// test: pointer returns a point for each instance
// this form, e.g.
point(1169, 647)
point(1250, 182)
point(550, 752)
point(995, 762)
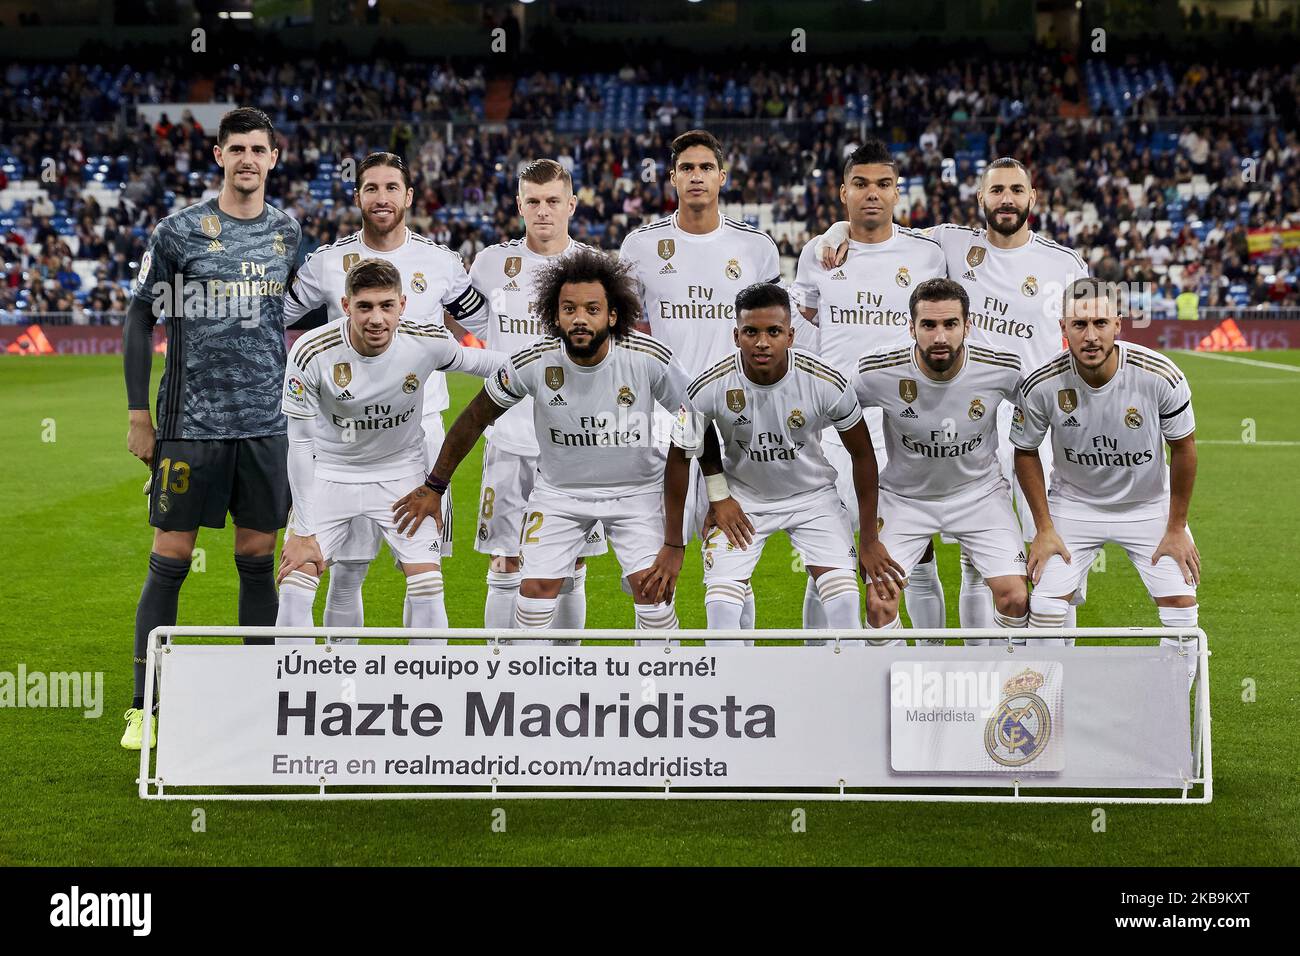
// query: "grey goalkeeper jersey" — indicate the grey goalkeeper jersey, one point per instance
point(220, 281)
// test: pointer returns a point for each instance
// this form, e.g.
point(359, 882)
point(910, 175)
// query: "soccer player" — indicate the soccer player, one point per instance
point(939, 396)
point(505, 274)
point(218, 270)
point(688, 268)
point(1014, 278)
point(1110, 407)
point(771, 403)
point(859, 307)
point(353, 395)
point(435, 281)
point(595, 382)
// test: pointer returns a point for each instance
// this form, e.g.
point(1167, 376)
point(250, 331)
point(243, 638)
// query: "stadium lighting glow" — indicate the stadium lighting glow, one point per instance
point(235, 15)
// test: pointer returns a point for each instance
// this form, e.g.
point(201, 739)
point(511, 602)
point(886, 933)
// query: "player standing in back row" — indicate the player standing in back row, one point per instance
point(1014, 278)
point(218, 270)
point(1110, 408)
point(435, 281)
point(505, 273)
point(860, 307)
point(689, 268)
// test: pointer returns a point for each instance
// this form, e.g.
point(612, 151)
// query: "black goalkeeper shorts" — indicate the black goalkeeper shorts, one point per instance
point(197, 483)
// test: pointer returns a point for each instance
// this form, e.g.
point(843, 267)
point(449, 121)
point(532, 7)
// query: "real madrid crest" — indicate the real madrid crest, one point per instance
point(482, 531)
point(907, 390)
point(277, 244)
point(625, 396)
point(736, 399)
point(1030, 286)
point(795, 419)
point(1067, 400)
point(554, 377)
point(351, 259)
point(411, 384)
point(1020, 728)
point(417, 282)
point(733, 269)
point(975, 255)
point(514, 264)
point(342, 374)
point(903, 278)
point(1133, 418)
point(976, 410)
point(211, 226)
point(708, 560)
point(666, 248)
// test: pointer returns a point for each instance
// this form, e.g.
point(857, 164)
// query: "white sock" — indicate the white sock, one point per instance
point(343, 605)
point(425, 606)
point(814, 615)
point(724, 607)
point(660, 616)
point(1003, 620)
point(499, 609)
point(747, 614)
point(1182, 617)
point(838, 590)
point(1047, 612)
point(975, 602)
point(571, 611)
point(1071, 620)
point(534, 614)
point(924, 597)
point(894, 625)
point(297, 596)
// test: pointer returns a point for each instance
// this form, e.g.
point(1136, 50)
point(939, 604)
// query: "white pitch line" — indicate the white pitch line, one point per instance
point(1238, 359)
point(1238, 441)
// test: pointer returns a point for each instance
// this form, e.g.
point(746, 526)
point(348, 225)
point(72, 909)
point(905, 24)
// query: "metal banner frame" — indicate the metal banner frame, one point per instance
point(152, 787)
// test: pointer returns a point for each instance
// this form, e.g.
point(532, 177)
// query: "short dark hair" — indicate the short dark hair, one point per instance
point(372, 274)
point(1006, 162)
point(587, 265)
point(871, 153)
point(696, 137)
point(1089, 287)
point(540, 171)
point(939, 290)
point(383, 159)
point(762, 295)
point(245, 119)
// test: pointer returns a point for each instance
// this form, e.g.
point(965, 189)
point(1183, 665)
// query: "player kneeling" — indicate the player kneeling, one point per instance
point(1111, 407)
point(595, 383)
point(353, 397)
point(770, 403)
point(940, 398)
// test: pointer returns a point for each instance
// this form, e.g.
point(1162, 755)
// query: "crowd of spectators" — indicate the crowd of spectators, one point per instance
point(1208, 157)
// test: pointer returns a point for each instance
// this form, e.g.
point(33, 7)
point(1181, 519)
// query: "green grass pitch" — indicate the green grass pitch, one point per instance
point(73, 557)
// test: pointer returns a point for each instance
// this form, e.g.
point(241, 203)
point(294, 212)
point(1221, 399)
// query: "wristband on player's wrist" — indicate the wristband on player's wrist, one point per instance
point(669, 544)
point(717, 487)
point(437, 484)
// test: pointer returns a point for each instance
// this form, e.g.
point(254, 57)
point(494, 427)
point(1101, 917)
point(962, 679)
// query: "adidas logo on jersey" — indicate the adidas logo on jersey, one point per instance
point(908, 413)
point(1070, 422)
point(511, 286)
point(838, 274)
point(345, 396)
point(969, 274)
point(668, 270)
point(742, 420)
point(1020, 556)
point(557, 401)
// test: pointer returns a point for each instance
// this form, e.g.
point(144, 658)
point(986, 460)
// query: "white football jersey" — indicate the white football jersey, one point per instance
point(862, 306)
point(1015, 294)
point(771, 434)
point(504, 273)
point(1108, 443)
point(688, 283)
point(433, 279)
point(367, 408)
point(594, 424)
point(941, 436)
